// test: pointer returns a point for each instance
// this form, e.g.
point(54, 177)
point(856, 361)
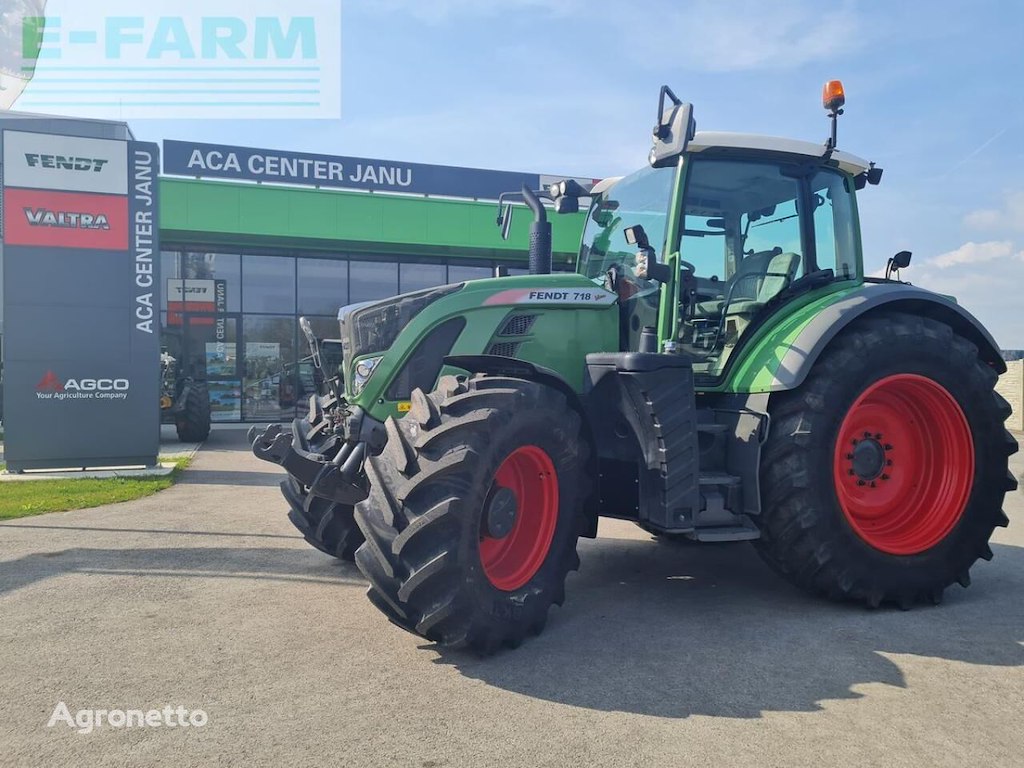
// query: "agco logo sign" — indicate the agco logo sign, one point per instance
point(52, 387)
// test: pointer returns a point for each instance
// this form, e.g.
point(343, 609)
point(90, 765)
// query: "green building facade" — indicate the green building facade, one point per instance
point(241, 262)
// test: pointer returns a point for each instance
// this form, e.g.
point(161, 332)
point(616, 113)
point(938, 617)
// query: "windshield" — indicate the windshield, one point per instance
point(640, 198)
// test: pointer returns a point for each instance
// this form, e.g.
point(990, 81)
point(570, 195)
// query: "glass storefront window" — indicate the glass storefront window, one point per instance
point(255, 358)
point(371, 280)
point(271, 382)
point(323, 286)
point(416, 277)
point(224, 267)
point(268, 284)
point(458, 273)
point(169, 263)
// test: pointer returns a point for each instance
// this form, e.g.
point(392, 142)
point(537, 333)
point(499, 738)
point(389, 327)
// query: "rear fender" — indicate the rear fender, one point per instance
point(788, 357)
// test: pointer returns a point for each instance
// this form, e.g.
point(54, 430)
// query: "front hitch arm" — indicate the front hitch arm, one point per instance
point(340, 479)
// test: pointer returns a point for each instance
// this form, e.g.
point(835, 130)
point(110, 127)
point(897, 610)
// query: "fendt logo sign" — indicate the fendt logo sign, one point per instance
point(65, 163)
point(60, 162)
point(66, 219)
point(52, 387)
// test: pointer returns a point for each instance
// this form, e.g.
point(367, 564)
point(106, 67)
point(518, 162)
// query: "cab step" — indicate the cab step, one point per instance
point(727, 533)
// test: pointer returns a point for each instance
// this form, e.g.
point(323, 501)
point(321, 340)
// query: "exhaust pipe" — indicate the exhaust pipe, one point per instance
point(540, 235)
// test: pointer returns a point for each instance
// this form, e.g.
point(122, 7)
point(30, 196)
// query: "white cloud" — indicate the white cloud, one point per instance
point(715, 36)
point(985, 278)
point(985, 218)
point(1009, 217)
point(976, 253)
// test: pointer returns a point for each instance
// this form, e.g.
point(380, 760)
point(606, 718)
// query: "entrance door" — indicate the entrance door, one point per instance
point(212, 352)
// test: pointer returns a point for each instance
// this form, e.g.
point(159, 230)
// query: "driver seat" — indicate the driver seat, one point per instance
point(778, 274)
point(744, 280)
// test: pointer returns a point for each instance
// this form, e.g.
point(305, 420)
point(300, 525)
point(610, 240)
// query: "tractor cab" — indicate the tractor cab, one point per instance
point(735, 227)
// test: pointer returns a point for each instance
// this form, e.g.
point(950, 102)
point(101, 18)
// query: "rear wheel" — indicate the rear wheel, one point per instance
point(193, 421)
point(884, 474)
point(474, 512)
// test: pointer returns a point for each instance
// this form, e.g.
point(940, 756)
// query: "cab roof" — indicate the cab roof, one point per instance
point(703, 141)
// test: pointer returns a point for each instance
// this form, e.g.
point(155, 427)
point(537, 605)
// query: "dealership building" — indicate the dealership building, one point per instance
point(252, 239)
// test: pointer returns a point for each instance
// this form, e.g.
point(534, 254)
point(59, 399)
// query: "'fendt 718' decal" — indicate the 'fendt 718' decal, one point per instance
point(40, 217)
point(574, 296)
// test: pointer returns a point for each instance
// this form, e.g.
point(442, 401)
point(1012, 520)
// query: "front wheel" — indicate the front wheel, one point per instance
point(327, 525)
point(884, 474)
point(474, 512)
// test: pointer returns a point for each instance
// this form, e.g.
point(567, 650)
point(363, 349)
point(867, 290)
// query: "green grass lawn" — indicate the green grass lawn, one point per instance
point(37, 497)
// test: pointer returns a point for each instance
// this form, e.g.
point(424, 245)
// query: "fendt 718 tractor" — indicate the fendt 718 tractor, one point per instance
point(719, 368)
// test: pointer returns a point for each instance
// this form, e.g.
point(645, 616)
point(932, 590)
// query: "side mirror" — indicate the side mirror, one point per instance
point(636, 235)
point(647, 266)
point(505, 221)
point(900, 261)
point(314, 344)
point(673, 131)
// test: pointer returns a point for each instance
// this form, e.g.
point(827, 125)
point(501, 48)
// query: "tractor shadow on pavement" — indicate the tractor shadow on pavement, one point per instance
point(674, 630)
point(249, 563)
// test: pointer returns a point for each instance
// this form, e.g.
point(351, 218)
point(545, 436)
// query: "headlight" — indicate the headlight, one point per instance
point(363, 371)
point(374, 327)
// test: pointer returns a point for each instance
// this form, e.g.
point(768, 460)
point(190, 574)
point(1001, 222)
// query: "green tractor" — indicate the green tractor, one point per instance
point(719, 368)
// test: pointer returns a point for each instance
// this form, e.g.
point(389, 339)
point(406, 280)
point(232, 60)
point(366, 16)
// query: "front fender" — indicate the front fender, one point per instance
point(782, 359)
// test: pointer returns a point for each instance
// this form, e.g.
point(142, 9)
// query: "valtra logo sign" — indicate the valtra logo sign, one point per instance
point(65, 219)
point(43, 218)
point(52, 387)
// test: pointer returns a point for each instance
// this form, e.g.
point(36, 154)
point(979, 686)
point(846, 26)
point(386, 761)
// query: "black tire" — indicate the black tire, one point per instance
point(327, 525)
point(193, 421)
point(423, 520)
point(807, 537)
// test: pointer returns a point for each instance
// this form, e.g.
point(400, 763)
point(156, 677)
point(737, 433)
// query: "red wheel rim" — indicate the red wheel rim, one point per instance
point(511, 561)
point(904, 464)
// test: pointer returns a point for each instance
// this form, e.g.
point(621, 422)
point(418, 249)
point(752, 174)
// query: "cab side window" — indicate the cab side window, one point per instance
point(834, 236)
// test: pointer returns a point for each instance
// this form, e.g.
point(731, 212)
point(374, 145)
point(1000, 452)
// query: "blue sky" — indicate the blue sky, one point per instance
point(569, 86)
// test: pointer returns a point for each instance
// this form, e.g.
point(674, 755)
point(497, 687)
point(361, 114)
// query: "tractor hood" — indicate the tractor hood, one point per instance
point(394, 346)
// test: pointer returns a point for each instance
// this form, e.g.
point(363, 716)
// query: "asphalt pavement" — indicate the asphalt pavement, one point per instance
point(204, 597)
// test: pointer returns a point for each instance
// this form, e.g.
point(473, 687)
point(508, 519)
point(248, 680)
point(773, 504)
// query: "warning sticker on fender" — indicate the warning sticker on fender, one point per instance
point(573, 296)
